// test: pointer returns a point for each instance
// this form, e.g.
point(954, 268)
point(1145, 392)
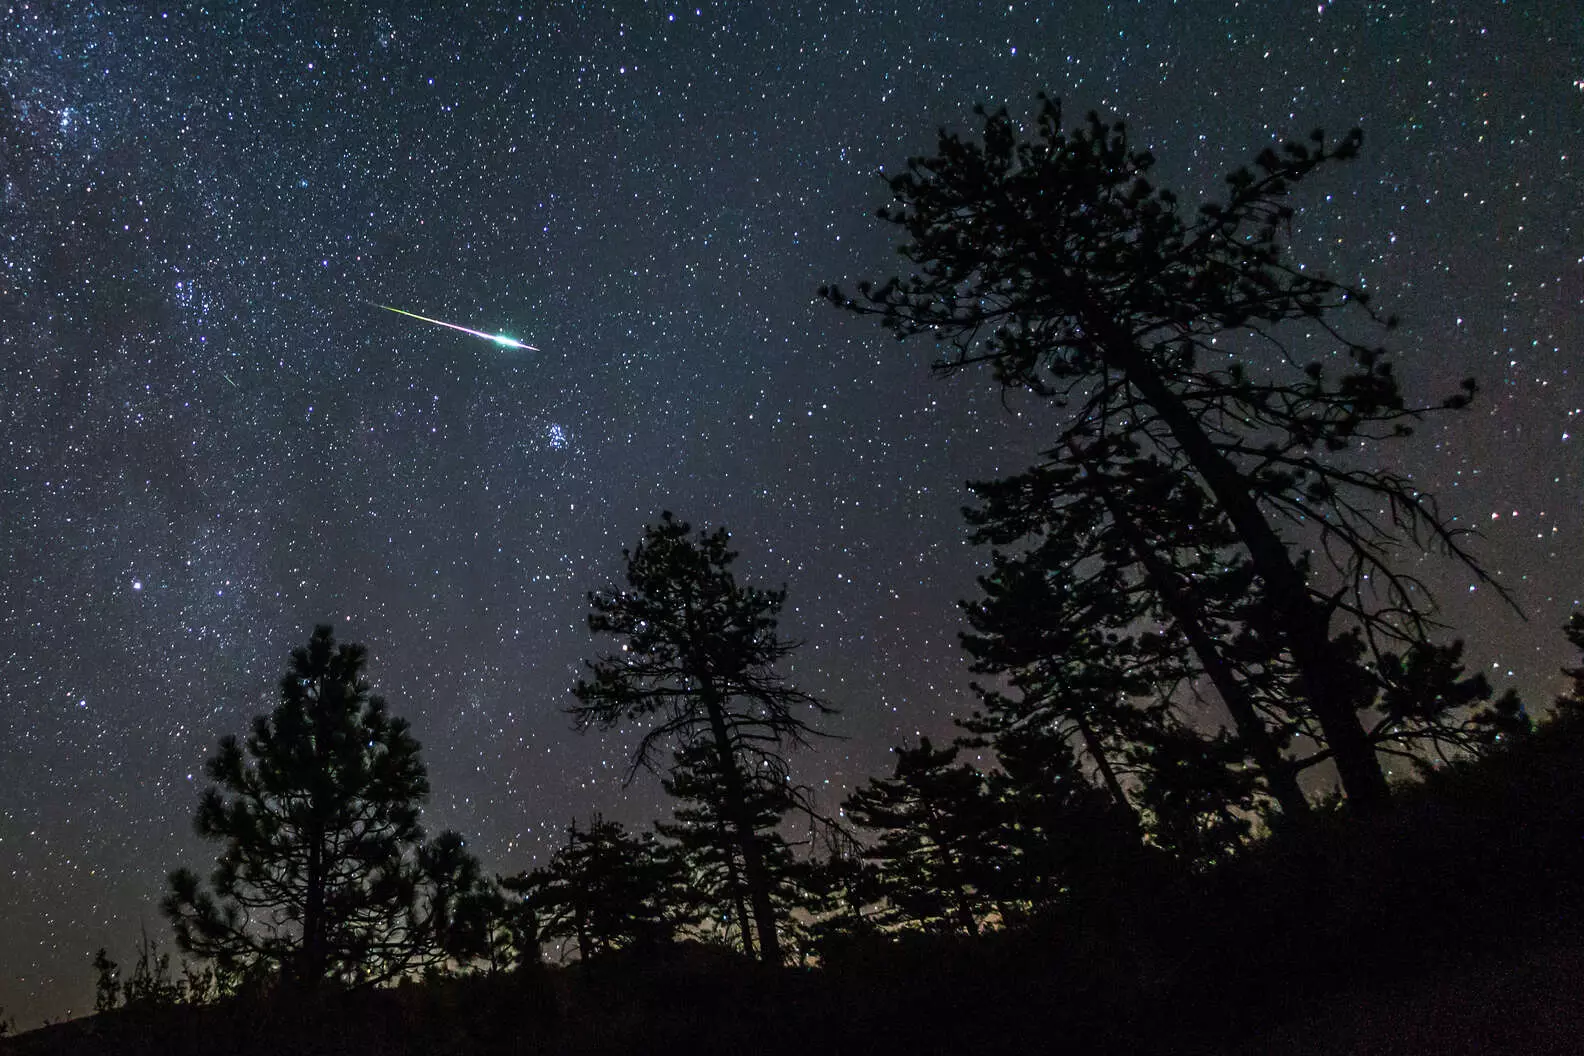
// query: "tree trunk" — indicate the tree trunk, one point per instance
point(734, 882)
point(962, 909)
point(311, 962)
point(580, 924)
point(753, 862)
point(1184, 611)
point(1304, 623)
point(965, 915)
point(1108, 776)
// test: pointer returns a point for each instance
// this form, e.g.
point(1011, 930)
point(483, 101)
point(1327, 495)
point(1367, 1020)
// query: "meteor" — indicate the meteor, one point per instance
point(499, 339)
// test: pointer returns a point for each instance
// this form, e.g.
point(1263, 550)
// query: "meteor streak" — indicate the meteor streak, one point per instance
point(499, 339)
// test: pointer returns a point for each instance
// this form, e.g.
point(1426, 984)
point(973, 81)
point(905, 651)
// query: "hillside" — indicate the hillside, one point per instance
point(1450, 925)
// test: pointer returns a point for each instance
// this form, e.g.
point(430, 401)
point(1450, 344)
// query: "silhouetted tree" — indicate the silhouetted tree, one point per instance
point(151, 984)
point(1090, 657)
point(840, 891)
point(1126, 592)
point(323, 876)
point(107, 981)
point(1573, 699)
point(467, 919)
point(706, 847)
point(1066, 668)
point(1055, 261)
point(1198, 800)
point(1424, 698)
point(697, 666)
point(602, 890)
point(937, 857)
point(1055, 829)
point(500, 921)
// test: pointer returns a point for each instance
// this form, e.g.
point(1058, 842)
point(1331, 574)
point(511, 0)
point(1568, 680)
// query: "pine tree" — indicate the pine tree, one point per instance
point(840, 891)
point(1573, 700)
point(488, 929)
point(1179, 337)
point(697, 667)
point(465, 918)
point(323, 876)
point(1064, 648)
point(602, 891)
point(707, 850)
point(1056, 831)
point(1197, 795)
point(936, 859)
point(1103, 629)
point(1425, 700)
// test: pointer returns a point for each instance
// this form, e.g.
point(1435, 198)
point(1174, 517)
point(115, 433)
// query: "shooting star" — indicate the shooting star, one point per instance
point(499, 339)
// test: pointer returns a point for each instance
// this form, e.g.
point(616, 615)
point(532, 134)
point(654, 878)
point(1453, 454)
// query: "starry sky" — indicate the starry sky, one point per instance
point(210, 440)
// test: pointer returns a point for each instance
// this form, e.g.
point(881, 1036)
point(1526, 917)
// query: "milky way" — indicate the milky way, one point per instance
point(207, 447)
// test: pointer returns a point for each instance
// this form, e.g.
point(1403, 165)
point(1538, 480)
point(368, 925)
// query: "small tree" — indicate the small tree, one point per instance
point(937, 857)
point(697, 667)
point(1056, 831)
point(323, 876)
point(1198, 799)
point(1425, 699)
point(1573, 700)
point(840, 891)
point(1072, 665)
point(107, 981)
point(462, 914)
point(706, 846)
point(602, 891)
point(152, 983)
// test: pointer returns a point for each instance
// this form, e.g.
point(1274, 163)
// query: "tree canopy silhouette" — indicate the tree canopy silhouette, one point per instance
point(1572, 701)
point(1057, 829)
point(697, 666)
point(324, 876)
point(705, 846)
point(1186, 338)
point(603, 890)
point(1124, 593)
point(937, 858)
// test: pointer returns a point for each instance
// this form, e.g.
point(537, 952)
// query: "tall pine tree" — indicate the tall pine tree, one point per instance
point(697, 667)
point(324, 876)
point(1193, 338)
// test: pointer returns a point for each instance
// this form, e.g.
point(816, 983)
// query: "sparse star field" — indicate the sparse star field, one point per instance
point(210, 441)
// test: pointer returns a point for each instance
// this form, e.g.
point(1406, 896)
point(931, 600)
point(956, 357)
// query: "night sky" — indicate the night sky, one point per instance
point(210, 441)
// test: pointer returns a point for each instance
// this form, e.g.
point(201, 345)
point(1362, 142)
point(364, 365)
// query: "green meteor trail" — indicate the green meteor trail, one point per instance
point(499, 339)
